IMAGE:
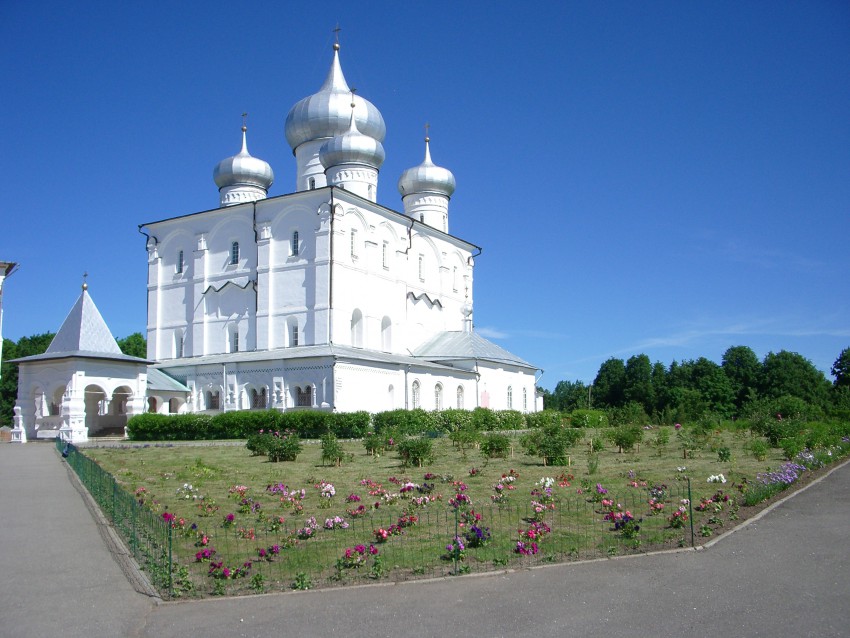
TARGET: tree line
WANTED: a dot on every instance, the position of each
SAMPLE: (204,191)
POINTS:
(783,382)
(134,345)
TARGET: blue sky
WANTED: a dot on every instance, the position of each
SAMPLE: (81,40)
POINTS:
(664,178)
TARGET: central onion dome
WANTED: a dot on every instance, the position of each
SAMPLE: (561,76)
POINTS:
(427,178)
(327,113)
(242,177)
(352,147)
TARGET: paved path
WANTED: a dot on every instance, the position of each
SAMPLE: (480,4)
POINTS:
(786,574)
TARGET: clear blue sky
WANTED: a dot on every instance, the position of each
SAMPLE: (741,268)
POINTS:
(667,178)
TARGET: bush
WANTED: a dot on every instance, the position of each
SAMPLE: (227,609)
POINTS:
(496,446)
(551,443)
(351,425)
(405,422)
(465,438)
(169,427)
(544,418)
(509,420)
(589,419)
(758,449)
(332,450)
(415,451)
(630,414)
(452,419)
(283,447)
(484,419)
(377,443)
(626,437)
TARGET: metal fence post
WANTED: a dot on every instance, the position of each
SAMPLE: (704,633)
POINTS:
(691,513)
(170,584)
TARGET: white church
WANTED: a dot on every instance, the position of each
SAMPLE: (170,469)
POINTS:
(318,299)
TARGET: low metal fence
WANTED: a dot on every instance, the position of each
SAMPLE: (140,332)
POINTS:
(148,537)
(267,550)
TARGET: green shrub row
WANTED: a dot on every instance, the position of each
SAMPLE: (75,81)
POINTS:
(307,424)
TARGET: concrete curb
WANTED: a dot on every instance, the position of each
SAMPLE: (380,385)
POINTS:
(114,543)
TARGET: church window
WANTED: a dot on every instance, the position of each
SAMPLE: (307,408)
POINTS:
(180,262)
(510,398)
(385,255)
(438,397)
(234,253)
(353,243)
(304,398)
(234,340)
(415,393)
(294,340)
(173,406)
(293,244)
(460,397)
(386,334)
(454,279)
(178,345)
(525,399)
(371,191)
(421,267)
(422,217)
(357,328)
(312,183)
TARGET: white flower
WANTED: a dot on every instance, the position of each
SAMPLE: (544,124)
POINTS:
(681,468)
(716,478)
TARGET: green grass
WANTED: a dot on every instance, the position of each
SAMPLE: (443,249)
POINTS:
(578,530)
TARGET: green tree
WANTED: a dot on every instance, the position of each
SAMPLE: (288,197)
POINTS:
(637,385)
(841,369)
(714,387)
(25,347)
(743,369)
(569,396)
(135,345)
(791,374)
(609,383)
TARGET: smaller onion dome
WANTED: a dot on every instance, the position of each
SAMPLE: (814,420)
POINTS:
(243,169)
(427,177)
(352,147)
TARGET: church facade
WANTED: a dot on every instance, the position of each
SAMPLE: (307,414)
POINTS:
(323,298)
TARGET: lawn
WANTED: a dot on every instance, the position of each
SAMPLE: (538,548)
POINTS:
(242,524)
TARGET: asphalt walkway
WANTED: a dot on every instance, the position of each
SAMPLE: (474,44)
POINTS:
(785,574)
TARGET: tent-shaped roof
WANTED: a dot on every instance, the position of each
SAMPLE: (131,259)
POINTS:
(465,346)
(84,333)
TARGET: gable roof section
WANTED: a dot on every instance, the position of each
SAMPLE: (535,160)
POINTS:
(461,345)
(84,333)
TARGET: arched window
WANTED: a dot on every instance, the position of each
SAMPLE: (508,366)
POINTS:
(233,338)
(179,262)
(385,255)
(212,400)
(421,267)
(357,328)
(386,334)
(353,244)
(312,183)
(415,393)
(460,397)
(258,399)
(234,253)
(438,396)
(173,406)
(178,344)
(293,335)
(525,399)
(293,244)
(304,397)
(510,398)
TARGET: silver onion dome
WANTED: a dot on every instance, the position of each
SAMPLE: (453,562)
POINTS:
(427,177)
(326,113)
(352,147)
(243,168)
